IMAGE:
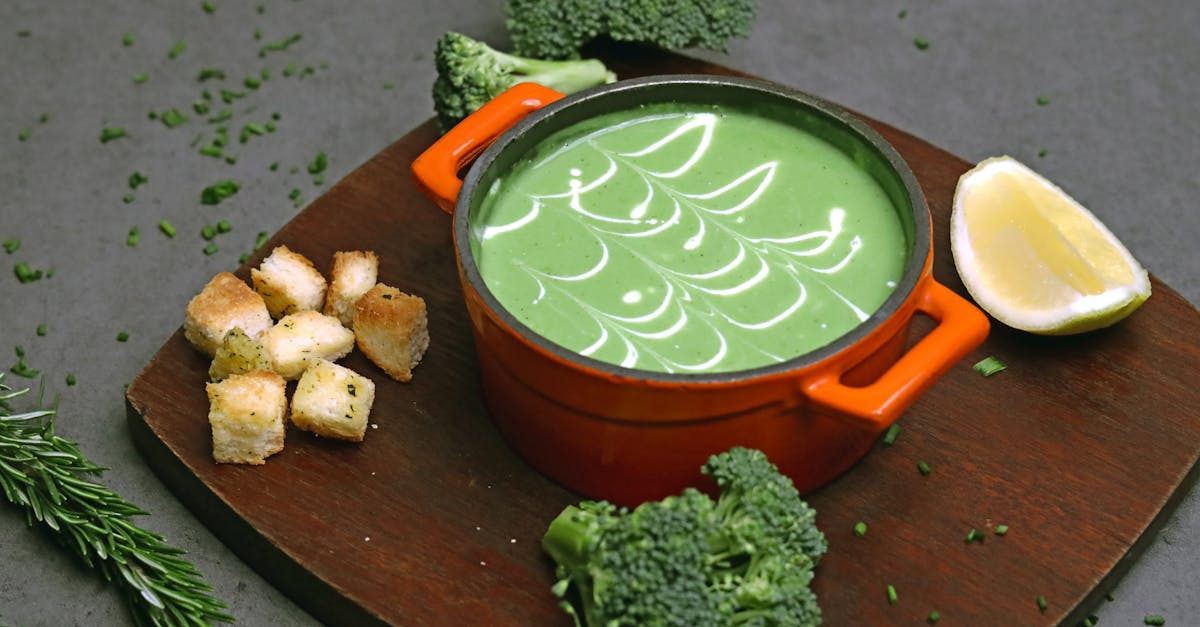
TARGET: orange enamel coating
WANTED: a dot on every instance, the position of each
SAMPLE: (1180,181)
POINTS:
(436,170)
(629,439)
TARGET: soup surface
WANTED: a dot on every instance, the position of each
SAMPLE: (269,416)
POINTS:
(688,238)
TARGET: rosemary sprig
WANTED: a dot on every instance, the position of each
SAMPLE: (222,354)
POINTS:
(45,475)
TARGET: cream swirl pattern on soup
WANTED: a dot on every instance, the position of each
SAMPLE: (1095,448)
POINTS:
(688,239)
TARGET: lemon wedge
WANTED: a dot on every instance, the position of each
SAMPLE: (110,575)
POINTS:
(1036,259)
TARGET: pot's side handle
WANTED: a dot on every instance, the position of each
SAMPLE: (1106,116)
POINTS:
(436,170)
(961,327)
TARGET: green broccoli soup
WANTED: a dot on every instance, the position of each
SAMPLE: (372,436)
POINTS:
(688,238)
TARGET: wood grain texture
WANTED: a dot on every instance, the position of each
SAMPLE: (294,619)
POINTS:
(1081,447)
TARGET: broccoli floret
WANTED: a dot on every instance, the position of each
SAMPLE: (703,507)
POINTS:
(746,559)
(557,29)
(470,73)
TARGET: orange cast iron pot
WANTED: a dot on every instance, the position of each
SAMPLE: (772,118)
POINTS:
(630,435)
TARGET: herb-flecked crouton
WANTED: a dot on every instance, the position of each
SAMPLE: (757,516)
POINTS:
(226,302)
(301,337)
(246,414)
(333,401)
(391,329)
(353,273)
(239,353)
(288,283)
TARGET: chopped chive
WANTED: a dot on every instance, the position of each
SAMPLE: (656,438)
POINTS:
(137,179)
(269,127)
(860,528)
(224,227)
(1041,603)
(274,166)
(153,115)
(265,74)
(389,85)
(228,96)
(902,14)
(23,135)
(217,192)
(19,350)
(122,337)
(891,594)
(989,366)
(934,617)
(11,245)
(318,179)
(167,228)
(176,50)
(222,116)
(24,33)
(70,379)
(294,194)
(278,46)
(1043,101)
(173,118)
(1090,621)
(319,163)
(275,116)
(127,40)
(221,139)
(974,536)
(251,82)
(289,69)
(261,9)
(255,128)
(257,34)
(110,133)
(1154,619)
(210,249)
(140,78)
(890,436)
(243,258)
(200,107)
(260,239)
(207,73)
(22,369)
(128,198)
(1001,530)
(135,234)
(208,7)
(921,43)
(211,151)
(307,71)
(41,330)
(25,274)
(231,159)
(208,232)
(299,202)
(1043,152)
(923,468)
(43,118)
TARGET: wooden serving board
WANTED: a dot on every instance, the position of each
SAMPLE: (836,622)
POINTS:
(1082,447)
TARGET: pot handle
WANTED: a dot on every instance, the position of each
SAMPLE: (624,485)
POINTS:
(961,327)
(436,169)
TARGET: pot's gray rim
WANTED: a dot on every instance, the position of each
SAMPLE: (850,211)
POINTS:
(905,287)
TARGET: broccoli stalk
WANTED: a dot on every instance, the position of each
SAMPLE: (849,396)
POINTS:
(470,73)
(557,29)
(748,558)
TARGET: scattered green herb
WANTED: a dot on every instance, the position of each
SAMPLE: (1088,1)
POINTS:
(974,536)
(1041,603)
(921,43)
(251,82)
(137,179)
(1001,530)
(294,194)
(25,274)
(860,528)
(200,107)
(221,116)
(278,46)
(51,479)
(135,234)
(260,239)
(41,330)
(173,118)
(891,594)
(11,245)
(1043,101)
(208,7)
(231,159)
(923,468)
(210,73)
(228,96)
(269,127)
(243,258)
(153,115)
(140,78)
(176,50)
(22,369)
(23,134)
(890,435)
(261,9)
(265,74)
(274,166)
(989,366)
(127,40)
(110,133)
(902,14)
(318,179)
(319,163)
(208,232)
(1090,621)
(122,337)
(43,118)
(934,617)
(1043,152)
(217,192)
(289,69)
(167,228)
(1154,619)
(128,198)
(24,33)
(389,85)
(211,151)
(224,226)
(257,34)
(210,249)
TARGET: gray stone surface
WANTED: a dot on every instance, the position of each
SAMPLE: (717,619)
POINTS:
(1120,133)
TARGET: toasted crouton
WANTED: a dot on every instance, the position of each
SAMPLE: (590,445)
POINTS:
(226,302)
(301,337)
(246,414)
(391,329)
(239,353)
(333,401)
(288,283)
(353,273)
